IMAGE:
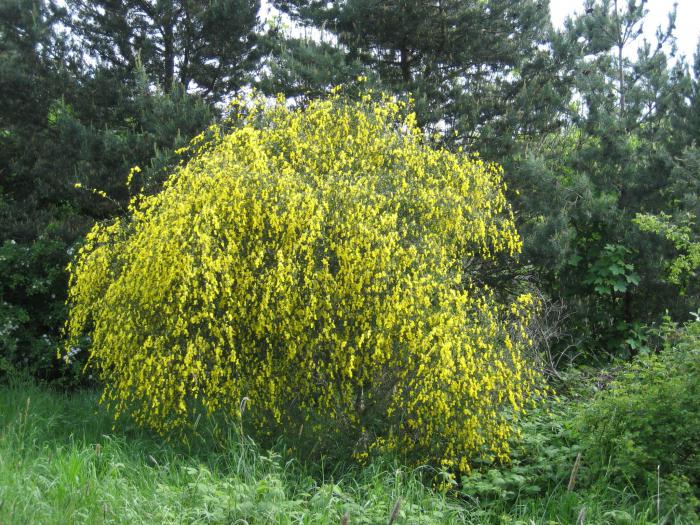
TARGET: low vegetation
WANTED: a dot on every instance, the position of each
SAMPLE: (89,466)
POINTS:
(63,461)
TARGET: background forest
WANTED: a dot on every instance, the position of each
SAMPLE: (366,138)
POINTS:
(595,124)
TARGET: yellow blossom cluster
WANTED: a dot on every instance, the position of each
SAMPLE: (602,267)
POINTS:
(313,262)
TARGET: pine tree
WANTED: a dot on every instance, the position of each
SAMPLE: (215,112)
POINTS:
(467,64)
(67,120)
(581,191)
(206,46)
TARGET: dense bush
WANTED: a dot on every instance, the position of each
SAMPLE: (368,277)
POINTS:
(644,428)
(541,458)
(312,265)
(31,310)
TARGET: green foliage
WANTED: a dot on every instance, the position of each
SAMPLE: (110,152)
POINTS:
(62,462)
(202,46)
(648,419)
(304,69)
(612,278)
(541,458)
(560,455)
(42,216)
(610,273)
(579,189)
(63,122)
(29,311)
(682,267)
(485,90)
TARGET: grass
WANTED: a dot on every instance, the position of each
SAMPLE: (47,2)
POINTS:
(62,462)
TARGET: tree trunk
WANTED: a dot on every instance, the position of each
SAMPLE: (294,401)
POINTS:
(405,66)
(620,65)
(168,51)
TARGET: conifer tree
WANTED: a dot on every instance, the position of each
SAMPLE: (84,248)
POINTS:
(205,46)
(467,64)
(66,120)
(581,190)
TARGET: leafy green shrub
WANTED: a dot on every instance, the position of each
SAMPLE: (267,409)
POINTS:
(681,233)
(649,419)
(313,267)
(541,459)
(31,311)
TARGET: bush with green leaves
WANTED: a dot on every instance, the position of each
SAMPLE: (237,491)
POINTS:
(541,459)
(643,429)
(31,309)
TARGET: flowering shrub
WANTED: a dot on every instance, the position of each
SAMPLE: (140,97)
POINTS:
(312,262)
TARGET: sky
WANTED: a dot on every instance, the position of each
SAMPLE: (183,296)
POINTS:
(687,20)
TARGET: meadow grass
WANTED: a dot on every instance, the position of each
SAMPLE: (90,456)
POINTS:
(63,462)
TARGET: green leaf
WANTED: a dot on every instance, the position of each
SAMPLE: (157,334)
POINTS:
(620,286)
(616,270)
(602,290)
(574,260)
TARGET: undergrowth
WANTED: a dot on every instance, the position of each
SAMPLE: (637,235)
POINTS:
(61,461)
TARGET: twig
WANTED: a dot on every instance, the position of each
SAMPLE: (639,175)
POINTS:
(658,494)
(574,473)
(395,511)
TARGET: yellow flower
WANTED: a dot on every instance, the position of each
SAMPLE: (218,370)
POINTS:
(313,260)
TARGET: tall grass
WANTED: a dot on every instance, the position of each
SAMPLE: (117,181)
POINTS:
(62,462)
